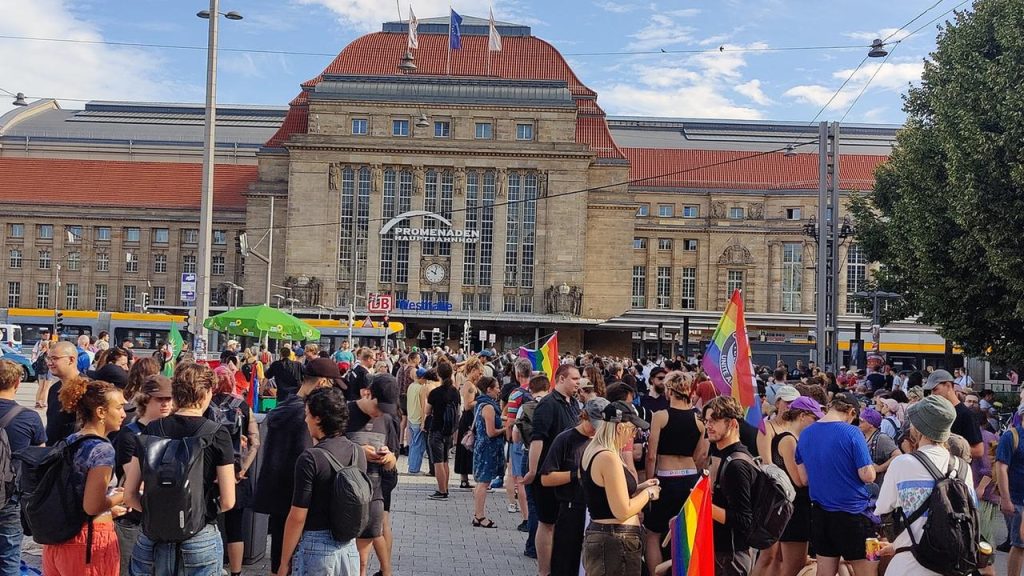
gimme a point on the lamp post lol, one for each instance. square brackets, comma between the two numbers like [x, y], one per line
[876, 313]
[206, 202]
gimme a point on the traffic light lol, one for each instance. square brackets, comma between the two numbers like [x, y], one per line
[189, 320]
[145, 301]
[242, 244]
[58, 323]
[436, 337]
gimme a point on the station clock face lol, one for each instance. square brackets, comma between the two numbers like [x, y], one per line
[435, 273]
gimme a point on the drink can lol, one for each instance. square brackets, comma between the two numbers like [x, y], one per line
[984, 554]
[872, 547]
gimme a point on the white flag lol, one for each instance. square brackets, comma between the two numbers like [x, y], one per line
[413, 24]
[493, 38]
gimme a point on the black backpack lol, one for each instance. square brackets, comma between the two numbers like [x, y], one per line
[50, 507]
[351, 493]
[229, 411]
[450, 418]
[949, 538]
[524, 420]
[771, 499]
[7, 475]
[174, 499]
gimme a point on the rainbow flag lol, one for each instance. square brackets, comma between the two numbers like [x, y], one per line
[692, 541]
[545, 358]
[727, 361]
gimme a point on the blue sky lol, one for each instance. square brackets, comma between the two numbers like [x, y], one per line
[772, 85]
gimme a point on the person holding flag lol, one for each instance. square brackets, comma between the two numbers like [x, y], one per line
[731, 506]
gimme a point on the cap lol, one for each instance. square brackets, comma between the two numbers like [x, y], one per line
[114, 374]
[891, 404]
[344, 365]
[486, 353]
[936, 378]
[871, 416]
[586, 383]
[809, 404]
[323, 368]
[619, 412]
[787, 393]
[420, 372]
[157, 386]
[933, 417]
[848, 399]
[595, 408]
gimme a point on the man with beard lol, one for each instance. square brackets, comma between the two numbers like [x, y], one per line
[655, 398]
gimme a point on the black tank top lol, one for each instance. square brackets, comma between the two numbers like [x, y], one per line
[680, 435]
[776, 456]
[597, 497]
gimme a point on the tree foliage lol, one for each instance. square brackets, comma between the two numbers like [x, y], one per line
[946, 216]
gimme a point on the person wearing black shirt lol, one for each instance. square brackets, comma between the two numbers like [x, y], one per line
[561, 472]
[555, 413]
[941, 383]
[62, 360]
[358, 378]
[192, 391]
[731, 506]
[442, 401]
[309, 547]
[287, 437]
[287, 374]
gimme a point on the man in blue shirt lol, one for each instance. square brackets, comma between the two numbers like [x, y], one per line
[1009, 473]
[834, 462]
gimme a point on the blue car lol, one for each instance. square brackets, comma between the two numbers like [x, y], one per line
[8, 353]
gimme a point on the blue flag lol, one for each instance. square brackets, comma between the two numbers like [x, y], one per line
[454, 31]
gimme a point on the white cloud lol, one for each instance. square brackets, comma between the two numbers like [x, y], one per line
[697, 101]
[661, 31]
[882, 34]
[367, 15]
[615, 7]
[78, 71]
[892, 77]
[753, 91]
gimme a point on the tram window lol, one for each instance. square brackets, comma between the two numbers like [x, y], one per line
[144, 338]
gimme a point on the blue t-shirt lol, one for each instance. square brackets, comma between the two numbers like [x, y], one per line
[92, 453]
[1014, 459]
[832, 452]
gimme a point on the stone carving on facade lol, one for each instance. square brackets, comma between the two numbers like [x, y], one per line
[315, 126]
[501, 183]
[307, 291]
[377, 178]
[542, 185]
[419, 180]
[334, 176]
[736, 255]
[460, 181]
[563, 299]
[718, 209]
[757, 211]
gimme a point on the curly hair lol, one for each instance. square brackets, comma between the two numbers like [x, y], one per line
[190, 382]
[595, 377]
[142, 369]
[723, 408]
[328, 404]
[82, 397]
[485, 383]
[679, 384]
[813, 391]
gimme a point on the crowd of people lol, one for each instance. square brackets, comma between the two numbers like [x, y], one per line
[594, 462]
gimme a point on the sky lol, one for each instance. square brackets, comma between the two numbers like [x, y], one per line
[740, 74]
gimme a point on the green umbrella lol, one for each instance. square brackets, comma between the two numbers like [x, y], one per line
[260, 320]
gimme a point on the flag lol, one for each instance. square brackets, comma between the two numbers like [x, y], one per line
[174, 345]
[692, 541]
[727, 360]
[545, 358]
[493, 38]
[413, 25]
[454, 31]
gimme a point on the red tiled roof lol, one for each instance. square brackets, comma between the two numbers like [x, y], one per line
[656, 167]
[521, 58]
[137, 184]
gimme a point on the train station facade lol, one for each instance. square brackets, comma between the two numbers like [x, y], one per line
[496, 191]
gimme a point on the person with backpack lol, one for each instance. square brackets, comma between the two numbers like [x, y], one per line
[86, 466]
[522, 369]
[231, 411]
[833, 461]
[188, 466]
[286, 373]
[62, 359]
[153, 400]
[19, 428]
[316, 540]
[522, 431]
[613, 542]
[927, 489]
[443, 410]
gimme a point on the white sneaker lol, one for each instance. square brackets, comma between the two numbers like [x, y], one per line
[513, 508]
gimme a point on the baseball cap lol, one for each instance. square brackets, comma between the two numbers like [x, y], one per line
[595, 408]
[323, 368]
[486, 353]
[157, 386]
[586, 383]
[809, 404]
[787, 393]
[936, 378]
[848, 399]
[421, 372]
[619, 412]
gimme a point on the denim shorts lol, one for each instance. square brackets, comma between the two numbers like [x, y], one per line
[201, 555]
[319, 554]
[612, 549]
[1015, 539]
[516, 459]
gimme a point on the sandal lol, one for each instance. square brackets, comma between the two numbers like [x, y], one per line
[484, 522]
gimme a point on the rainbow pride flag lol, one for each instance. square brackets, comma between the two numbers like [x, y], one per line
[692, 541]
[727, 361]
[545, 358]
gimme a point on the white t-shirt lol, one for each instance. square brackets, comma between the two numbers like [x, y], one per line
[908, 485]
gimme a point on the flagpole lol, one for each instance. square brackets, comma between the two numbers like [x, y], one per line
[448, 63]
[488, 57]
[544, 337]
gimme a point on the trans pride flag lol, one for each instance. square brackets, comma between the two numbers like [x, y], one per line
[692, 541]
[545, 358]
[727, 361]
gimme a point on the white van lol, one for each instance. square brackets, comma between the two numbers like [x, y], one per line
[10, 334]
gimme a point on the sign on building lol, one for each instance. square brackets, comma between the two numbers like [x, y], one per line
[445, 233]
[188, 287]
[379, 303]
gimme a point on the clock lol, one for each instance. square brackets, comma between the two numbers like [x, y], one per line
[435, 273]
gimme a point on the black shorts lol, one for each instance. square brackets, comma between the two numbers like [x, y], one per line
[388, 482]
[440, 446]
[546, 502]
[233, 531]
[674, 492]
[375, 527]
[799, 527]
[840, 534]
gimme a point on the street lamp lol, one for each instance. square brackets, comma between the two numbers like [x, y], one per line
[19, 99]
[279, 299]
[236, 289]
[206, 203]
[876, 313]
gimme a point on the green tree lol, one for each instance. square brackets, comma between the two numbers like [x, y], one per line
[946, 216]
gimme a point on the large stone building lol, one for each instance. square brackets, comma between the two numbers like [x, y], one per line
[490, 191]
